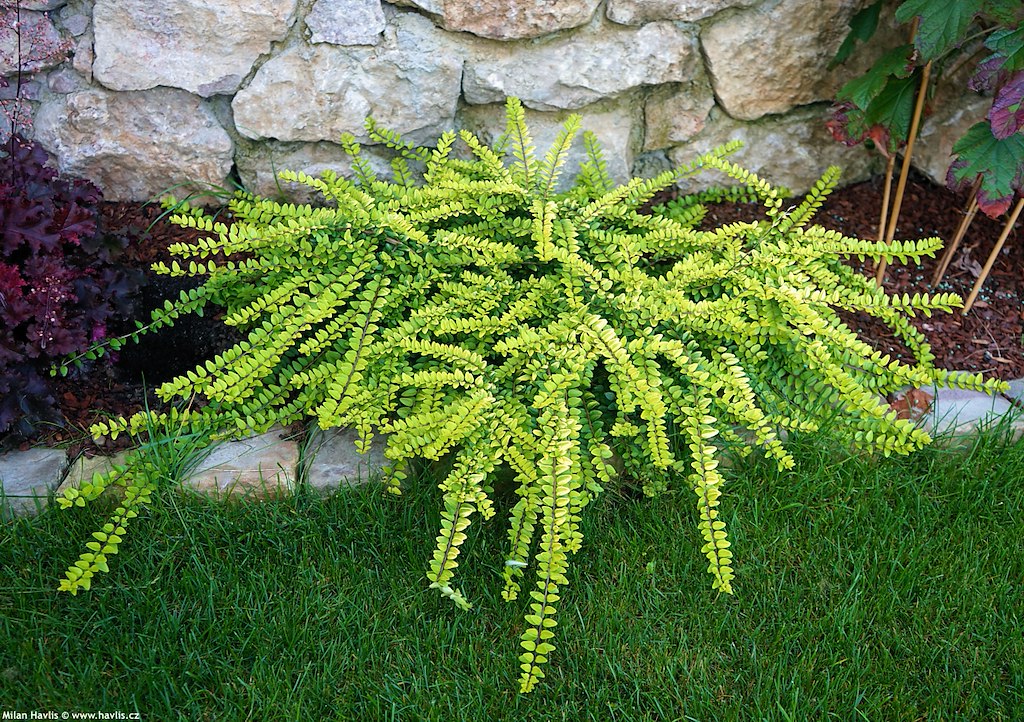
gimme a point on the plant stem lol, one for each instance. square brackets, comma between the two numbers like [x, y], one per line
[890, 165]
[961, 231]
[992, 256]
[915, 121]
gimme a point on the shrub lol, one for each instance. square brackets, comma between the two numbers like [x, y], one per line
[879, 105]
[483, 315]
[58, 284]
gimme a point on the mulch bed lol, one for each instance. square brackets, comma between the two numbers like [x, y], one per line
[987, 339]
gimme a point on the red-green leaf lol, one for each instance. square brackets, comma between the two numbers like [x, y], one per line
[999, 164]
[1006, 114]
[943, 23]
[1009, 44]
[1008, 57]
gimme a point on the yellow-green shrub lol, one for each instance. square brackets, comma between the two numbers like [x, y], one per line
[481, 313]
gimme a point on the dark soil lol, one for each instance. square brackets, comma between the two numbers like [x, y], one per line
[987, 339]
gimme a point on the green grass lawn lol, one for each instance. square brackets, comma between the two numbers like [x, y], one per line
[867, 589]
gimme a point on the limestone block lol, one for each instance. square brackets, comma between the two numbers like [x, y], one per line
[961, 411]
[507, 19]
[41, 44]
[257, 467]
[571, 72]
[331, 459]
[65, 80]
[638, 12]
[135, 145]
[84, 56]
[510, 19]
[204, 46]
[346, 22]
[83, 469]
[27, 477]
[259, 165]
[75, 23]
[433, 7]
[42, 5]
[617, 123]
[675, 114]
[409, 83]
[954, 415]
[774, 57]
[792, 150]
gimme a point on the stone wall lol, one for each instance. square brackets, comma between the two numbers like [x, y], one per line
[159, 93]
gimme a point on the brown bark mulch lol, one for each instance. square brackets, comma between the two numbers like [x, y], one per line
[987, 339]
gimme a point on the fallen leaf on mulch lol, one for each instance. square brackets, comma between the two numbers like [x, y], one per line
[912, 404]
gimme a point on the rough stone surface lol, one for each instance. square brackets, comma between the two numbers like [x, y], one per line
[570, 72]
[135, 145]
[512, 19]
[791, 150]
[258, 467]
[64, 81]
[433, 7]
[84, 56]
[41, 45]
[204, 46]
[27, 477]
[774, 57]
[332, 459]
[42, 5]
[409, 84]
[75, 23]
[638, 12]
[258, 167]
[618, 125]
[346, 22]
[676, 114]
[285, 79]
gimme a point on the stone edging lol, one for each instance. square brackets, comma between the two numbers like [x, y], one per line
[258, 467]
[272, 464]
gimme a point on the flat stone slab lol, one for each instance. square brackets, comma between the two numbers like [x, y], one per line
[85, 467]
[954, 412]
[256, 468]
[331, 459]
[1016, 392]
[27, 477]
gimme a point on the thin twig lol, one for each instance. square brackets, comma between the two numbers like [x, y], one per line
[961, 231]
[890, 165]
[992, 256]
[901, 187]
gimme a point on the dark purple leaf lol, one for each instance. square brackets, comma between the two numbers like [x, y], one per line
[58, 287]
[988, 75]
[1006, 114]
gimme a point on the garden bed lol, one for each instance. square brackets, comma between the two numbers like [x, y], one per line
[987, 339]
